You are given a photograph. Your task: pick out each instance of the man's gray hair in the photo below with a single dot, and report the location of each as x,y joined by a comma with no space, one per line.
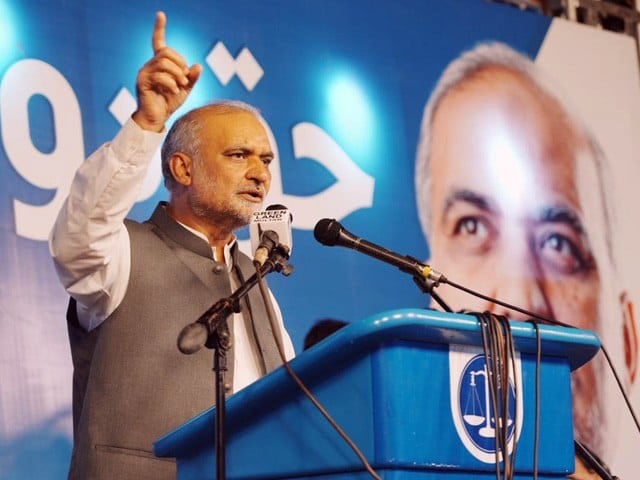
185,134
475,61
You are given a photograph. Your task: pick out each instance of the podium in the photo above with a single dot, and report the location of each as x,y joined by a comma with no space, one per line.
407,387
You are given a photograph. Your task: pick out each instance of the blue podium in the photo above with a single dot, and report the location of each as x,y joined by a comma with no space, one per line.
409,388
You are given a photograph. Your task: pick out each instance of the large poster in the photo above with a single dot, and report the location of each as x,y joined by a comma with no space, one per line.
343,87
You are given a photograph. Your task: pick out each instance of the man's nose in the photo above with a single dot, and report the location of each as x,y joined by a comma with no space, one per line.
524,289
517,279
258,170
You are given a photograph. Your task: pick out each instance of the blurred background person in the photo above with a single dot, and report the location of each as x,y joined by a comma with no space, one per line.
321,330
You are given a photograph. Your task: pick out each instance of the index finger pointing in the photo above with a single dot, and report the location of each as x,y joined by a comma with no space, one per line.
158,39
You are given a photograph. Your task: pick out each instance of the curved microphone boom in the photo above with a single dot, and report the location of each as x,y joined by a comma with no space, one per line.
330,232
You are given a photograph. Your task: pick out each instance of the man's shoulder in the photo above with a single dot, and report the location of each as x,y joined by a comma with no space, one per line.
134,227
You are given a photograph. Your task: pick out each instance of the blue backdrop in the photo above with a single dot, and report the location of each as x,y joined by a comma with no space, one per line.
343,88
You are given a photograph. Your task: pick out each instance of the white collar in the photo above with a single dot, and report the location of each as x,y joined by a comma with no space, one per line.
227,248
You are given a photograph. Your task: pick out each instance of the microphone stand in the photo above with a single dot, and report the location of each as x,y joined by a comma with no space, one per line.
219,339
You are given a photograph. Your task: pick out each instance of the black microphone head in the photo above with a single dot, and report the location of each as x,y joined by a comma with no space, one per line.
192,338
327,231
277,206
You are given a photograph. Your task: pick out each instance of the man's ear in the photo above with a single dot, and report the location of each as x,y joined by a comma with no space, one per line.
181,166
630,335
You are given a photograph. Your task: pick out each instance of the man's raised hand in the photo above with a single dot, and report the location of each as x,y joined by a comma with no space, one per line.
164,82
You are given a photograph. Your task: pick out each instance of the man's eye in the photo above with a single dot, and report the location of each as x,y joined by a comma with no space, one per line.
237,155
562,254
267,160
470,226
473,235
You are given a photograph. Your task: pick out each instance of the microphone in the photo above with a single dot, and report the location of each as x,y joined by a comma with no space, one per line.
193,337
268,241
330,232
268,229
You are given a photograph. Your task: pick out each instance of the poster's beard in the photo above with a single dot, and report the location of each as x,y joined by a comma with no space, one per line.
588,412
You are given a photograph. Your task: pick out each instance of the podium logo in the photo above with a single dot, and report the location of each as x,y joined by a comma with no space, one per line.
472,408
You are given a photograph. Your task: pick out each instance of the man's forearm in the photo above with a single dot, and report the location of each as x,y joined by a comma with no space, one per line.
89,243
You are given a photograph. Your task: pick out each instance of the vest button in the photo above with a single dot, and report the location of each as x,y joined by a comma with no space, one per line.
219,267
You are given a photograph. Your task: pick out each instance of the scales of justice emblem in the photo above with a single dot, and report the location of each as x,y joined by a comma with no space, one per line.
472,410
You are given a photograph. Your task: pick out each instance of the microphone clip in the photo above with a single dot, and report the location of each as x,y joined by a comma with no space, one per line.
278,260
219,336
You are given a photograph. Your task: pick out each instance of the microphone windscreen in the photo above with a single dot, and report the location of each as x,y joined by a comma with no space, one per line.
276,206
192,338
327,231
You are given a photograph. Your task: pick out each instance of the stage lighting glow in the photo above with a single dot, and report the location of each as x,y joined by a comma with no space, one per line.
351,115
509,166
7,33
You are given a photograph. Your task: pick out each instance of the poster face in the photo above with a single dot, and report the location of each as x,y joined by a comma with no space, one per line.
518,185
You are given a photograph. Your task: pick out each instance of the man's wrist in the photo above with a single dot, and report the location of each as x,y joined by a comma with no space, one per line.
143,123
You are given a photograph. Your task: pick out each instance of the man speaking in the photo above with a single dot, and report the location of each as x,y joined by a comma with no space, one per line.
135,286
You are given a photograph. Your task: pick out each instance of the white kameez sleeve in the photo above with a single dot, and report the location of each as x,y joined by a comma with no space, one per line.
89,242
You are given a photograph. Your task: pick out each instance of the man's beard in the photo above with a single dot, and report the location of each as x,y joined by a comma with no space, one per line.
234,214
